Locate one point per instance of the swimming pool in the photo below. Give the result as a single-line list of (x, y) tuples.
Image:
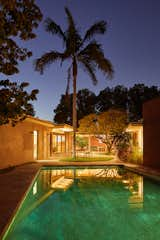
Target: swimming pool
[(104, 203)]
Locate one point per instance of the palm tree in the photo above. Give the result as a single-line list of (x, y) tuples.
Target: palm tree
[(84, 51)]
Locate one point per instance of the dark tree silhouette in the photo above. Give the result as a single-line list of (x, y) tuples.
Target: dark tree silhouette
[(85, 105), (104, 100), (15, 102), (137, 95), (63, 111), (116, 97), (86, 101), (119, 97), (17, 21)]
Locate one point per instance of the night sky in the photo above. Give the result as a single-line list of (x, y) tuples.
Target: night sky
[(132, 43)]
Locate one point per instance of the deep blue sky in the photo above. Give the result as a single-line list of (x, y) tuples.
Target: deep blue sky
[(132, 43)]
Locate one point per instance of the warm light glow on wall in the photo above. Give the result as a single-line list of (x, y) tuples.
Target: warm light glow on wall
[(35, 144)]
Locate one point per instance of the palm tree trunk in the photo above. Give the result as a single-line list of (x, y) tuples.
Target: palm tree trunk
[(74, 106)]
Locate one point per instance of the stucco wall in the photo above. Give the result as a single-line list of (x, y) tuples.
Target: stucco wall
[(16, 143), (151, 117)]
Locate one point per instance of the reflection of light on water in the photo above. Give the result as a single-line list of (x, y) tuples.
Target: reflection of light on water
[(35, 188), (136, 199), (106, 173), (125, 181)]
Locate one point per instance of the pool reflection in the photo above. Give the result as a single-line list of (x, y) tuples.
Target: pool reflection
[(132, 182)]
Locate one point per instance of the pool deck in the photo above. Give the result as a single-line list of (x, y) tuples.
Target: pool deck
[(15, 182)]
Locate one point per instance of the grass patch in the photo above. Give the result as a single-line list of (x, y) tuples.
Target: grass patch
[(86, 159)]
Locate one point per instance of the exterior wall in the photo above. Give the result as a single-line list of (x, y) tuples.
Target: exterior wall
[(16, 143), (151, 116), (97, 145), (136, 131)]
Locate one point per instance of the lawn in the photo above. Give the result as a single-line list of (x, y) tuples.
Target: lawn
[(87, 159)]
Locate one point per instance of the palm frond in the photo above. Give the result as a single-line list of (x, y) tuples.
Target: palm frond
[(103, 63), (46, 59), (73, 38), (89, 67), (71, 22), (93, 52), (54, 28), (90, 48), (97, 28)]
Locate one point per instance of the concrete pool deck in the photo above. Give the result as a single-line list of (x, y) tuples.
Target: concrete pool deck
[(15, 182)]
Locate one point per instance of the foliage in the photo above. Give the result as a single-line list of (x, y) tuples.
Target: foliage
[(107, 126), (116, 97), (63, 111), (87, 159), (15, 102), (88, 124), (18, 18), (85, 105), (81, 142), (137, 95), (123, 146), (131, 100)]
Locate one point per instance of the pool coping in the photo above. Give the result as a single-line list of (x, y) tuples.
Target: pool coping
[(18, 180)]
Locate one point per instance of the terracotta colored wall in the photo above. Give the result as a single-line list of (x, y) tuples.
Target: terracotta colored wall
[(16, 143), (151, 117), (96, 142)]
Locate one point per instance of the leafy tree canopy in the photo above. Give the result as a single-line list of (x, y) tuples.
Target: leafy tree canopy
[(137, 95), (130, 100), (15, 102), (18, 18), (63, 111), (85, 105), (116, 97), (107, 126), (81, 142)]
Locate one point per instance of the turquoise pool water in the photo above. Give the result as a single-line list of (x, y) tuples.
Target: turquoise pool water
[(100, 203)]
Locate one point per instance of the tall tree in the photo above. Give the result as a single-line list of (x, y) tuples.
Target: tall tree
[(18, 19), (107, 126), (116, 97), (85, 51), (120, 97), (86, 101), (104, 100), (63, 111)]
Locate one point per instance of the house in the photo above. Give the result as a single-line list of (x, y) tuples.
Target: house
[(33, 139)]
